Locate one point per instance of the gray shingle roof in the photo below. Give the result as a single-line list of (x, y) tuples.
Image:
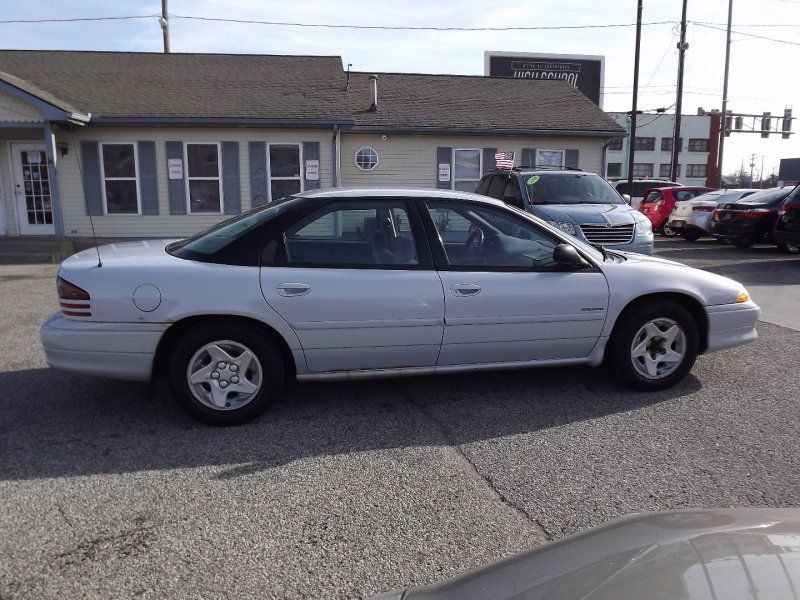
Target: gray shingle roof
[(304, 88), (142, 84), (474, 102)]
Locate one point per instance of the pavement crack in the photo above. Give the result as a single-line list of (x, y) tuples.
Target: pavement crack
[(485, 479), (64, 516)]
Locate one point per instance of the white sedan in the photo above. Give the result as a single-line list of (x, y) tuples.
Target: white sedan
[(345, 284)]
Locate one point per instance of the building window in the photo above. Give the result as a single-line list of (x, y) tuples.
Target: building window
[(698, 145), (642, 170), (366, 158), (695, 170), (614, 170), (616, 144), (550, 158), (203, 178), (645, 144), (663, 170), (666, 144), (120, 183), (283, 165), (467, 169)]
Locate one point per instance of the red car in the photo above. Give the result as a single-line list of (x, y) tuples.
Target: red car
[(659, 202)]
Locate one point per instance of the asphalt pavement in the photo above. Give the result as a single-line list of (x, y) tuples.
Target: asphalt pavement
[(343, 490)]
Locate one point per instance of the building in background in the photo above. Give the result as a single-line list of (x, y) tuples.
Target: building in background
[(789, 172), (653, 156)]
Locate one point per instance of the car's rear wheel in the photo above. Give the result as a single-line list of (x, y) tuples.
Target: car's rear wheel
[(668, 231), (225, 373), (789, 248), (691, 236), (742, 242), (654, 345)]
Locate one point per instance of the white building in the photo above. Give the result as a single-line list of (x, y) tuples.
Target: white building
[(654, 148)]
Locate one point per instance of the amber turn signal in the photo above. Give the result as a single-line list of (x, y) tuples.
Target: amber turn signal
[(743, 297)]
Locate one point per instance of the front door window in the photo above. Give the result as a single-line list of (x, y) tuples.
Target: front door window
[(35, 207)]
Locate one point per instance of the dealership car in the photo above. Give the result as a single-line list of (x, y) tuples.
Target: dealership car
[(750, 220), (692, 218), (636, 191), (659, 202), (582, 204), (348, 284), (730, 554), (787, 227)]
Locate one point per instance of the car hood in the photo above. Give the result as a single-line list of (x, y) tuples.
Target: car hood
[(614, 214), (735, 554)]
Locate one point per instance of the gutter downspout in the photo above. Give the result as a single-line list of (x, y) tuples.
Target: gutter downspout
[(604, 158), (337, 156)]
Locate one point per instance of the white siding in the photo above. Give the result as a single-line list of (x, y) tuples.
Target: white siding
[(7, 194), (76, 221), (410, 160), (14, 109)]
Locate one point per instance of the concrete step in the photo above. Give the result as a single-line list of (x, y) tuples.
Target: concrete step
[(29, 258)]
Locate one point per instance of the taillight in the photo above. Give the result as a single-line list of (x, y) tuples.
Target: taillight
[(787, 207), (703, 209), (74, 300), (717, 214), (753, 213), (658, 204)]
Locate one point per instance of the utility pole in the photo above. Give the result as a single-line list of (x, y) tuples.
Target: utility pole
[(752, 164), (761, 174), (164, 22), (676, 136), (724, 127), (632, 137)]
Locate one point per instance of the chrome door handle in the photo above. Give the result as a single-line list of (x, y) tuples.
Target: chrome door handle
[(293, 289), (465, 289)]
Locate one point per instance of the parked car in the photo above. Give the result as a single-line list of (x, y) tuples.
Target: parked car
[(787, 226), (692, 218), (730, 554), (659, 202), (636, 192), (365, 283), (749, 220), (582, 204)]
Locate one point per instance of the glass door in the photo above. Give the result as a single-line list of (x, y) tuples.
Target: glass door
[(32, 189)]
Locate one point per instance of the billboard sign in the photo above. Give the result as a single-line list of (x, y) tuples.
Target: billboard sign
[(579, 70)]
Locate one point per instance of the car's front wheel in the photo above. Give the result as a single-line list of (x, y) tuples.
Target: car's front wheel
[(654, 345), (225, 373), (691, 236)]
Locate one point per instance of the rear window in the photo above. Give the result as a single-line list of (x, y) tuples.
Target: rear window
[(774, 196), (652, 196)]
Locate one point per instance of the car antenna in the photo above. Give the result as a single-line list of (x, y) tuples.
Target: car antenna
[(83, 183)]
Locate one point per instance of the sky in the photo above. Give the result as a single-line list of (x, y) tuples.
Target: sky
[(763, 74)]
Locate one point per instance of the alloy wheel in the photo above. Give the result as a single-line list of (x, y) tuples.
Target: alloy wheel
[(658, 348), (224, 375)]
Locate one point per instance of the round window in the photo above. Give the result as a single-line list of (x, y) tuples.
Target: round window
[(366, 158)]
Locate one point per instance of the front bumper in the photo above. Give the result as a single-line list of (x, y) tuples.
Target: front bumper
[(699, 220), (114, 350), (731, 325)]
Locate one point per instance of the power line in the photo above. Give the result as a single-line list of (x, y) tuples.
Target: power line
[(412, 28), (752, 35), (74, 19)]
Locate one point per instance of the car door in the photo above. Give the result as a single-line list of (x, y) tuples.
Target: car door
[(506, 300), (356, 283)]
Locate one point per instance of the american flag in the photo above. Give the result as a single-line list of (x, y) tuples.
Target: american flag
[(504, 160)]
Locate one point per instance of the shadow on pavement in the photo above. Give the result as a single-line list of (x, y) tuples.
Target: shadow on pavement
[(58, 425)]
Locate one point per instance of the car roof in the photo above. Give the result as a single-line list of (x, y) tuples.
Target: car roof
[(380, 192)]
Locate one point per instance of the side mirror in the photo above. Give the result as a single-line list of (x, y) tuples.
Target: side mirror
[(627, 198), (567, 256)]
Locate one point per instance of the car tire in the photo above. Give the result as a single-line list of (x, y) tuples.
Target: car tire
[(691, 236), (667, 231), (213, 379), (637, 327), (742, 242), (789, 248)]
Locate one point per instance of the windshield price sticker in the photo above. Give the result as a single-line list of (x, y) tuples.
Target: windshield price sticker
[(532, 180)]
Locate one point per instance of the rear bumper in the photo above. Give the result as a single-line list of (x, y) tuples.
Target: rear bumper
[(114, 350), (731, 325), (695, 222), (742, 229)]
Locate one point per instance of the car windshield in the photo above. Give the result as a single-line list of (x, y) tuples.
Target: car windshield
[(215, 238), (570, 188)]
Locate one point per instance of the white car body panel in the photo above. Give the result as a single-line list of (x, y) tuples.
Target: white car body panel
[(358, 323), (701, 219)]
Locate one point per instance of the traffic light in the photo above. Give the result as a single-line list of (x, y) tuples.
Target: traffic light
[(739, 121), (787, 123), (728, 119), (766, 124)]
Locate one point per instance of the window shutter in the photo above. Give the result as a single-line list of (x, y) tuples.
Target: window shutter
[(310, 152), (231, 188), (176, 187), (571, 158), (258, 174), (92, 183), (148, 182), (444, 157), (489, 163), (529, 156)]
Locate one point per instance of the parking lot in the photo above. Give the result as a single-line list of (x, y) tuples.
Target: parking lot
[(343, 490)]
